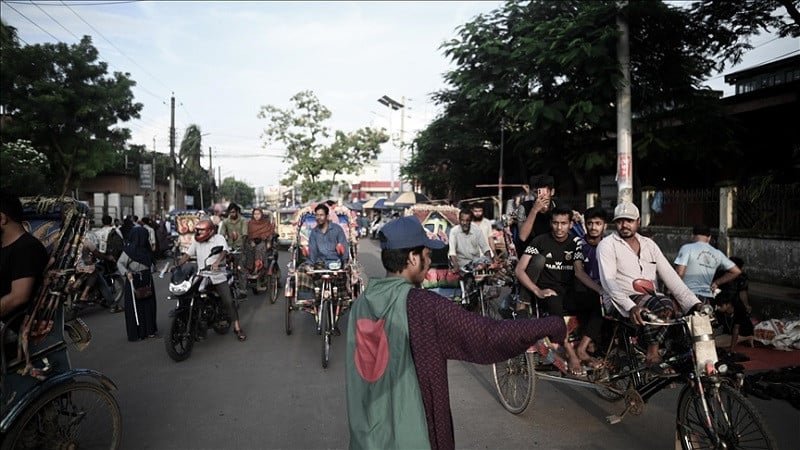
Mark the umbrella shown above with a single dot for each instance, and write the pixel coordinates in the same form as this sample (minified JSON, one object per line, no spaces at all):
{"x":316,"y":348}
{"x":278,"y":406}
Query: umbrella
{"x":355,"y":206}
{"x":370,"y":204}
{"x":406,"y":199}
{"x":380,"y":204}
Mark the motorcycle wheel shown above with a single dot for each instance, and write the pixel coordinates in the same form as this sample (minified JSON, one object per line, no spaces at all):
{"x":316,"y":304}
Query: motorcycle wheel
{"x":180,"y":340}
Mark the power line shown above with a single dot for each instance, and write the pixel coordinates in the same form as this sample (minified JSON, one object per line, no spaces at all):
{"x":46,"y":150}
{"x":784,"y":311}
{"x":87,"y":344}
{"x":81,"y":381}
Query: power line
{"x":81,"y":3}
{"x":115,"y":47}
{"x":56,"y":21}
{"x":34,"y":23}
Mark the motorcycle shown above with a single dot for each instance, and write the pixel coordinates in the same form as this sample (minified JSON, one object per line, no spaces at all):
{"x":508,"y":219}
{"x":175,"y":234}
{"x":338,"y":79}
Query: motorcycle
{"x":198,"y":307}
{"x":112,"y":278}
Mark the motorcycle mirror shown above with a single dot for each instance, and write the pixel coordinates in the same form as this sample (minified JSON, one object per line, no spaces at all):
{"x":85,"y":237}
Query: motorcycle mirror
{"x":216,"y":250}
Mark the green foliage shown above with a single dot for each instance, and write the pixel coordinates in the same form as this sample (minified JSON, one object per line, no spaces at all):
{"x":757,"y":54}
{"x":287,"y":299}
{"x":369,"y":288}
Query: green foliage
{"x":61,"y":98}
{"x":238,"y":192}
{"x":549,"y":71}
{"x":190,"y":173}
{"x":24,"y":170}
{"x":315,"y":154}
{"x":730,"y":25}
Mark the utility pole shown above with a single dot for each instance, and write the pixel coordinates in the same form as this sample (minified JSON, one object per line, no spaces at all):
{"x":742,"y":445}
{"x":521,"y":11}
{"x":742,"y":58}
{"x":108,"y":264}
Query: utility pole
{"x":624,"y":156}
{"x":172,"y":193}
{"x":402,"y":134}
{"x":210,"y":177}
{"x":155,"y":180}
{"x":500,"y":173}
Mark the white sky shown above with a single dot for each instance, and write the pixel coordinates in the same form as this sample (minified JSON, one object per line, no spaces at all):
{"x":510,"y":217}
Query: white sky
{"x":224,"y":60}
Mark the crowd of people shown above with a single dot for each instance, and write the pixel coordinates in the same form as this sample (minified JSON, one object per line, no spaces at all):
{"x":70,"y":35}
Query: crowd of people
{"x":399,"y":336}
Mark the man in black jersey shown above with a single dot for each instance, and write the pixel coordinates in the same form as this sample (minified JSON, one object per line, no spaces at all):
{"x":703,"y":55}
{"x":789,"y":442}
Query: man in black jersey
{"x":556,"y":282}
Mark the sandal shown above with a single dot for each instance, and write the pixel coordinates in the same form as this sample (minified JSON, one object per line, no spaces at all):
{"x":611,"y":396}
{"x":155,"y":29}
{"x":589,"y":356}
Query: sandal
{"x":240,"y":335}
{"x":578,"y":371}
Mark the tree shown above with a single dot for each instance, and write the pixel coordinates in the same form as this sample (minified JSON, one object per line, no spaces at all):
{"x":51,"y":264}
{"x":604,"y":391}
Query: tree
{"x":732,"y":25}
{"x":62,"y":100}
{"x":190,"y":172}
{"x":548,"y":70}
{"x":24,"y":169}
{"x":315,"y":160}
{"x":235,"y":191}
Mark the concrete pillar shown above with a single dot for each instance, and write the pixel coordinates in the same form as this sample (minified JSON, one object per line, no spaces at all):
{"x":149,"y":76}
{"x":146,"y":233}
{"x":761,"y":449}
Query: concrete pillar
{"x":98,"y":207}
{"x":647,"y":213}
{"x":138,"y":206}
{"x":115,"y":206}
{"x":591,"y":199}
{"x":726,"y":196}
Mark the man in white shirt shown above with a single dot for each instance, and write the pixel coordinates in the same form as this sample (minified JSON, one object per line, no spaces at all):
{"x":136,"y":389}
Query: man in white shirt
{"x":625,"y":256}
{"x":484,"y":225}
{"x":466,"y":242}
{"x":206,"y":239}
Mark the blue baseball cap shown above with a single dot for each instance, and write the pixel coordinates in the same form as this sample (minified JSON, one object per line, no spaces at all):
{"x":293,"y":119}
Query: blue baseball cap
{"x":406,"y":232}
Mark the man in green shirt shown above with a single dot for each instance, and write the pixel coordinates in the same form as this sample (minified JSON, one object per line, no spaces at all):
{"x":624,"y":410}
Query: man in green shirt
{"x":234,"y":230}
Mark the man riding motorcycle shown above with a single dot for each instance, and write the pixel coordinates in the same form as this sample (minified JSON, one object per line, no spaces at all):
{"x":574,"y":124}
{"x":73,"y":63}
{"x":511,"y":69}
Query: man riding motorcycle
{"x":204,"y":240}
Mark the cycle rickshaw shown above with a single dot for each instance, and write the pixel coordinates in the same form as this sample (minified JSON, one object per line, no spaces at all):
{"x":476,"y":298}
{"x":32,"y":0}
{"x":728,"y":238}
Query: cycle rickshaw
{"x":324,"y":293}
{"x":45,"y":402}
{"x":474,"y":282}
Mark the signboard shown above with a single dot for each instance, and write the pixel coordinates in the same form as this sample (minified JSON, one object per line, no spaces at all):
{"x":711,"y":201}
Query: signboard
{"x":146,"y":176}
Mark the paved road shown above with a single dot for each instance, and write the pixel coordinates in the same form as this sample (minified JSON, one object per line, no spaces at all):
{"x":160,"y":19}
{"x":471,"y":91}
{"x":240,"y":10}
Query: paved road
{"x":271,"y":392}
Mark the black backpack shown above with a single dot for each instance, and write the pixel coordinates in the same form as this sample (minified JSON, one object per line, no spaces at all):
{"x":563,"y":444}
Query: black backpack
{"x":114,"y":244}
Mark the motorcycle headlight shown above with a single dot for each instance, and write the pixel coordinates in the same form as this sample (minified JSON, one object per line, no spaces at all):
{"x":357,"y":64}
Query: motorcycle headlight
{"x":334,"y":265}
{"x":180,"y":288}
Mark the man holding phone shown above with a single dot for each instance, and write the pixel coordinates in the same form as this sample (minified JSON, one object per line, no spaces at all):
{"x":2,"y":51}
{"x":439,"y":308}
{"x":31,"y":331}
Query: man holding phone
{"x":533,"y":219}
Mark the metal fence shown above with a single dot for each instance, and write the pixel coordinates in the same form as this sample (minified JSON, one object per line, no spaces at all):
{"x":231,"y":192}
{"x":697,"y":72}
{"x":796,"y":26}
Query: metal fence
{"x":768,"y":209}
{"x":686,"y":207}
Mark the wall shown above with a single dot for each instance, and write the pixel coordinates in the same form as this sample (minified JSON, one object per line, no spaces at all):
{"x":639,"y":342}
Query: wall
{"x":774,"y":261}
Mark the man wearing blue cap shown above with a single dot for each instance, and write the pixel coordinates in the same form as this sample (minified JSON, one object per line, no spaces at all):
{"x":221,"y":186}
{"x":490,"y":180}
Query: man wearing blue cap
{"x":399,"y":339}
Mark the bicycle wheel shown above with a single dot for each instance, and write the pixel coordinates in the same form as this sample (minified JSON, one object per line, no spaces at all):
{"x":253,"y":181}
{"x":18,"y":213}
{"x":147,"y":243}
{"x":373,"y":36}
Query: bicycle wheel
{"x":180,"y":340}
{"x":288,"y":310}
{"x":272,"y":288}
{"x":325,"y":328}
{"x":515,"y":380}
{"x":75,"y":414}
{"x":117,"y":286}
{"x":733,"y":422}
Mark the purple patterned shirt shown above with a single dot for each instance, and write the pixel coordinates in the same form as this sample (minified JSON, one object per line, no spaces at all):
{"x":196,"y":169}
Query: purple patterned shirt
{"x":440,"y":330}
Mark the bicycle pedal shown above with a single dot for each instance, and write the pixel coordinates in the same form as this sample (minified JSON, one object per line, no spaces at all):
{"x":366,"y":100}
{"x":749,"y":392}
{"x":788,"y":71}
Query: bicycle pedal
{"x":613,"y":419}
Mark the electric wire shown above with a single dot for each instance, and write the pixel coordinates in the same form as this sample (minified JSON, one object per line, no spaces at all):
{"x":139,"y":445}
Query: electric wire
{"x":115,"y":47}
{"x":34,"y":23}
{"x":56,"y":21}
